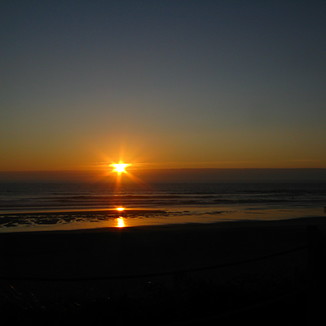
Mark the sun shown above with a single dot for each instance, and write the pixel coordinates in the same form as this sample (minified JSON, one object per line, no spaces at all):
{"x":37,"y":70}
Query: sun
{"x":120,"y":167}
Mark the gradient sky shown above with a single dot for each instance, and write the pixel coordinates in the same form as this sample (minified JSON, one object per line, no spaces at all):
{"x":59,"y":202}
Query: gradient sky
{"x":169,"y":83}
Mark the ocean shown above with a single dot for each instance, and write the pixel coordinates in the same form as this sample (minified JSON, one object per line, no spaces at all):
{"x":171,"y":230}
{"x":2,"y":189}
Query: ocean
{"x":69,"y":206}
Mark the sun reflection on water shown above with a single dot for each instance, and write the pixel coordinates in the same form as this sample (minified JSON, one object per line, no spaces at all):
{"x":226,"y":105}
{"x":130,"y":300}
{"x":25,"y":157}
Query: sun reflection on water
{"x":120,"y":222}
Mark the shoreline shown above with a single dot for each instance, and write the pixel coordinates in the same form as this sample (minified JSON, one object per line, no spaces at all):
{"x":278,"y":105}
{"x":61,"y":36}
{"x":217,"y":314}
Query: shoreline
{"x":223,"y":224}
{"x":97,"y":219}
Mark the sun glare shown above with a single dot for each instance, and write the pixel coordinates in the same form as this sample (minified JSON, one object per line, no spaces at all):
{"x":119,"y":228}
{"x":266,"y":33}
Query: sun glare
{"x":120,"y":209}
{"x":120,"y":167}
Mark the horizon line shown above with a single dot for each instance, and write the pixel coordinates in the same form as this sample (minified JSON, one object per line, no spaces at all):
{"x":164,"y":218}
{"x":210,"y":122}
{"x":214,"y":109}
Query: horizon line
{"x":163,"y":169}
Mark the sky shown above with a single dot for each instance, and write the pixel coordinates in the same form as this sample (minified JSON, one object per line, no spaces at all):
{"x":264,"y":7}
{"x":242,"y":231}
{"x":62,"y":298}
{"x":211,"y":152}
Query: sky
{"x":166,"y":84}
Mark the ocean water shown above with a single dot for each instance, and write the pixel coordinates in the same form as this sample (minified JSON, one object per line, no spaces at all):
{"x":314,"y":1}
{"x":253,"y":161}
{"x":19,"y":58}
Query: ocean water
{"x":63,"y":206}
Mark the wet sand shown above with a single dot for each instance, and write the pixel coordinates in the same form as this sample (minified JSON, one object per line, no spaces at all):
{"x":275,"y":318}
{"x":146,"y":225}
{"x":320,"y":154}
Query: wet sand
{"x":112,"y":251}
{"x":141,"y":262}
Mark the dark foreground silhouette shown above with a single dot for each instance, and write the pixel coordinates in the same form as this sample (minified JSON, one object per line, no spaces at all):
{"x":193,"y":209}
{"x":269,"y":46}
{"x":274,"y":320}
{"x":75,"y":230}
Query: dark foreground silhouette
{"x":262,"y":273}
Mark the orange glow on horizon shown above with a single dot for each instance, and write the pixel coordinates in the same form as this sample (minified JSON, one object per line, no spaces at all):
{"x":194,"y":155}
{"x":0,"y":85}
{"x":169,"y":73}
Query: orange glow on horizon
{"x":120,"y":209}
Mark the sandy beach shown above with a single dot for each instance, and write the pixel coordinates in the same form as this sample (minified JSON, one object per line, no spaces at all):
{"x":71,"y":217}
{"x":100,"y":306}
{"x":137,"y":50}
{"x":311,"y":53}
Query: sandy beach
{"x":93,"y":270}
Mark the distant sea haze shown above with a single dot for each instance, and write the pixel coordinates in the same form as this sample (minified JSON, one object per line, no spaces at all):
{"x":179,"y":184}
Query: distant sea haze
{"x":176,"y":176}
